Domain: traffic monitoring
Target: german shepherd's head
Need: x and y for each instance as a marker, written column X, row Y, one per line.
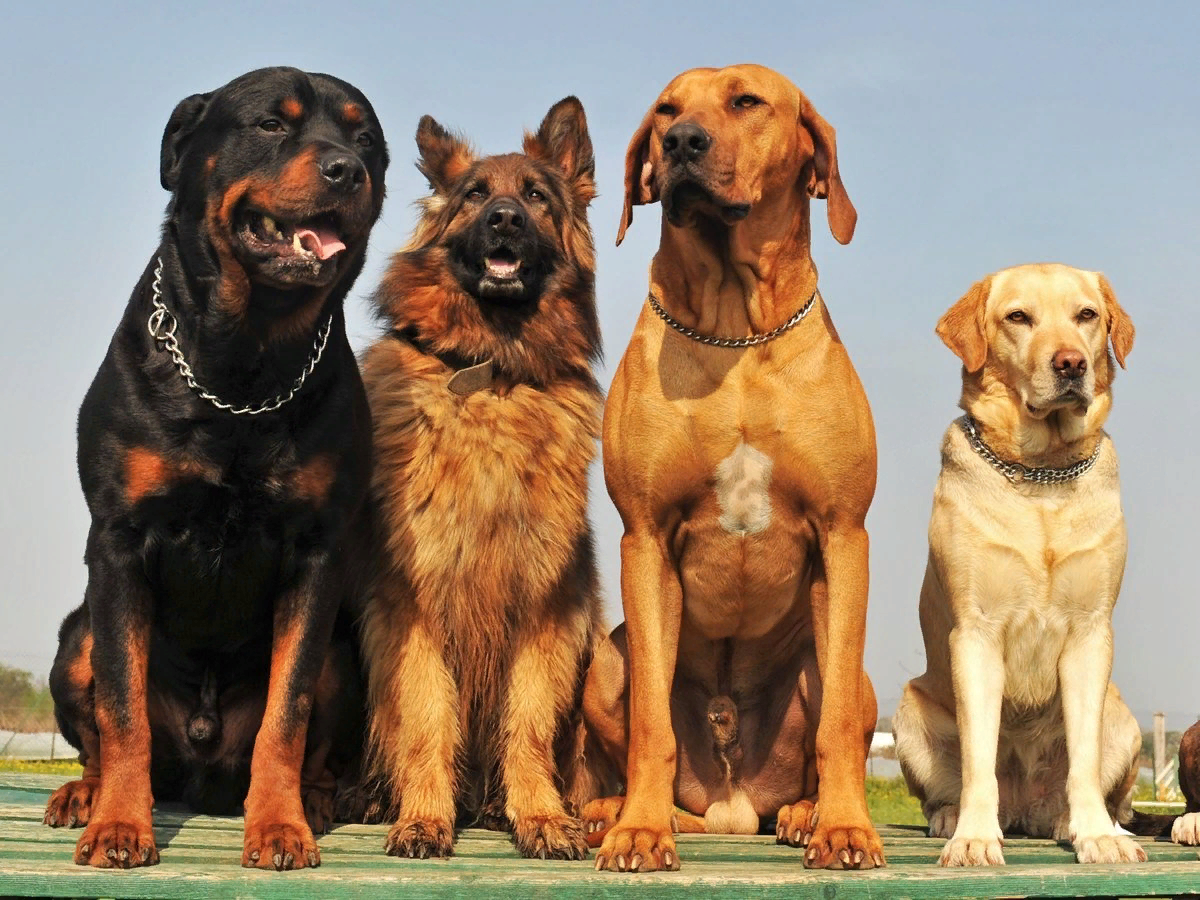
column 501, row 265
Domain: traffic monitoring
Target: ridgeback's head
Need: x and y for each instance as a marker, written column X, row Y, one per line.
column 718, row 142
column 1042, row 332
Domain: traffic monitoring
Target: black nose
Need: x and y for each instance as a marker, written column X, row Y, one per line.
column 686, row 142
column 506, row 217
column 343, row 171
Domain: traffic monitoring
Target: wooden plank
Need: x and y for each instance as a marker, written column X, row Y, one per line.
column 201, row 858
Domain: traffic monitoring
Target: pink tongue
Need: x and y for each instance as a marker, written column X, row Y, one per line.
column 322, row 241
column 502, row 267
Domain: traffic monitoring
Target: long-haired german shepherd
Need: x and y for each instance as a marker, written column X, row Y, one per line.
column 486, row 606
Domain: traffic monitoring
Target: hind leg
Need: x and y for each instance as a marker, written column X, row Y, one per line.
column 336, row 731
column 928, row 749
column 71, row 686
column 796, row 822
column 605, row 699
column 1186, row 829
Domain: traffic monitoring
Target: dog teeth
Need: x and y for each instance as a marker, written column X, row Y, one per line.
column 296, row 245
column 269, row 225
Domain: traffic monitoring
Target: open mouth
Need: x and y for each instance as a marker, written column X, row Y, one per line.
column 303, row 250
column 502, row 264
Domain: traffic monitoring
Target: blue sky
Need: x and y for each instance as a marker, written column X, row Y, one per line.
column 971, row 137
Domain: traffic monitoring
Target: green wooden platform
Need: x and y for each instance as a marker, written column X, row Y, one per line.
column 201, row 856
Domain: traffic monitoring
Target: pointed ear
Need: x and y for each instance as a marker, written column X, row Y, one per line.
column 1120, row 326
column 962, row 327
column 562, row 140
column 825, row 182
column 640, row 184
column 179, row 128
column 444, row 156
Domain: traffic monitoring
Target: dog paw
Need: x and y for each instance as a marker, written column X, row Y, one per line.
column 418, row 839
column 71, row 804
column 318, row 809
column 599, row 816
column 550, row 837
column 966, row 849
column 943, row 821
column 628, row 848
column 855, row 846
column 795, row 823
column 1186, row 829
column 1108, row 848
column 280, row 846
column 116, row 845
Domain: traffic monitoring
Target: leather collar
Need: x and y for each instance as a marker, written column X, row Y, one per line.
column 469, row 374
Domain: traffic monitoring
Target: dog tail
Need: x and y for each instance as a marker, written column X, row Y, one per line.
column 1150, row 824
column 204, row 727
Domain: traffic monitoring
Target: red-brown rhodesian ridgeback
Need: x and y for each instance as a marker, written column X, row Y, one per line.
column 742, row 471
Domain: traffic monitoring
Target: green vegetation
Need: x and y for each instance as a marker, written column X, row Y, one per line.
column 41, row 766
column 889, row 801
column 25, row 705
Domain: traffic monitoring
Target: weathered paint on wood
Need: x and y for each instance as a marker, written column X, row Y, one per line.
column 201, row 856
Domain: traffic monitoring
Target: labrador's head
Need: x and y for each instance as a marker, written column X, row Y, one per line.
column 1043, row 332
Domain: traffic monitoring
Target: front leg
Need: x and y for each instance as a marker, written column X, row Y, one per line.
column 977, row 667
column 1084, row 670
column 277, row 834
column 414, row 711
column 541, row 685
column 119, row 833
column 642, row 841
column 844, row 836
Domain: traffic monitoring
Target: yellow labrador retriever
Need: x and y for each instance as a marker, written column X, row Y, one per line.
column 1015, row 726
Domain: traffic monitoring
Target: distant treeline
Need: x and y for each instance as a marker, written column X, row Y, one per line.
column 25, row 704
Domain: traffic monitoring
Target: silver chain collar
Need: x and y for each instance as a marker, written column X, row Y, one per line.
column 751, row 341
column 1015, row 471
column 162, row 325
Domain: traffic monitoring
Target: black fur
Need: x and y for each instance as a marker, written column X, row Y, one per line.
column 249, row 529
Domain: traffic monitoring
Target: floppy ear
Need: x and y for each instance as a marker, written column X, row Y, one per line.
column 562, row 139
column 962, row 329
column 1120, row 326
column 179, row 128
column 444, row 156
column 825, row 182
column 640, row 186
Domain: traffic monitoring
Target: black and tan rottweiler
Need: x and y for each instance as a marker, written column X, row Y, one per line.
column 224, row 451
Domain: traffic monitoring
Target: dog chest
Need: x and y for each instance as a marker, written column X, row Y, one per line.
column 492, row 489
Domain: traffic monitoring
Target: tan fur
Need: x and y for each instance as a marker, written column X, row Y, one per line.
column 743, row 479
column 486, row 606
column 1015, row 726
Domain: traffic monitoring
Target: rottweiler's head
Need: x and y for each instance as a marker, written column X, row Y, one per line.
column 277, row 178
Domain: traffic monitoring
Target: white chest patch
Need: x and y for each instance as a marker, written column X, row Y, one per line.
column 742, row 481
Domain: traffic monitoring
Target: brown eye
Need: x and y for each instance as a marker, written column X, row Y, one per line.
column 271, row 125
column 535, row 194
column 366, row 139
column 476, row 194
column 1018, row 316
column 747, row 101
column 1087, row 314
column 666, row 109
